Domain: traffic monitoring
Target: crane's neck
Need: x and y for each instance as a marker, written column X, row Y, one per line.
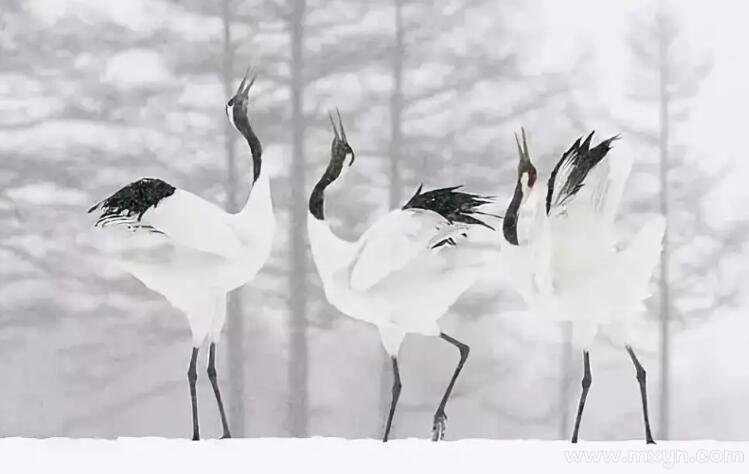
column 242, row 124
column 317, row 198
column 259, row 203
column 328, row 250
column 510, row 221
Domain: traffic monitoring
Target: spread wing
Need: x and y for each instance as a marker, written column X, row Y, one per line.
column 152, row 205
column 579, row 168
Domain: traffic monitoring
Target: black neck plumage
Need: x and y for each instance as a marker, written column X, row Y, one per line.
column 510, row 222
column 243, row 125
column 317, row 198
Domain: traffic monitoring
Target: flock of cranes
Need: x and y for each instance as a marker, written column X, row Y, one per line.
column 407, row 269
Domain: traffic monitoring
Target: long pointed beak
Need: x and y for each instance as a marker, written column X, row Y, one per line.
column 332, row 122
column 252, row 81
column 244, row 87
column 522, row 148
column 340, row 124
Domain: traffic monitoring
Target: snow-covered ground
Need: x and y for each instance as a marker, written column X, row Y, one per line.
column 332, row 455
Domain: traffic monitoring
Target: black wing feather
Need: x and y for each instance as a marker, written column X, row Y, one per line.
column 133, row 201
column 453, row 205
column 582, row 159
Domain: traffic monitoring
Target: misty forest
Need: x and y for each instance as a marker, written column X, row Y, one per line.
column 94, row 95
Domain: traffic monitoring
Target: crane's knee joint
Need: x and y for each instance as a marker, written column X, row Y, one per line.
column 641, row 375
column 587, row 380
column 192, row 374
column 211, row 372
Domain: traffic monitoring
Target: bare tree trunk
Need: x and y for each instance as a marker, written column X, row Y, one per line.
column 396, row 107
column 396, row 186
column 564, row 381
column 235, row 316
column 298, row 350
column 665, row 297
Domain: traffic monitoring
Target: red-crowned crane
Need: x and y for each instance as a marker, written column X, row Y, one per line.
column 202, row 252
column 405, row 271
column 566, row 261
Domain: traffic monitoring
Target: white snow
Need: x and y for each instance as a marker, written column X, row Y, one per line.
column 332, row 455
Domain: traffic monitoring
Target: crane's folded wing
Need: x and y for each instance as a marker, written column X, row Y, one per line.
column 391, row 243
column 191, row 221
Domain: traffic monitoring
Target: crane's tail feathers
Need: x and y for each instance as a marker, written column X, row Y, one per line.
column 453, row 205
column 129, row 204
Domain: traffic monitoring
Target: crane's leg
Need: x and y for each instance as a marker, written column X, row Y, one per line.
column 192, row 378
column 216, row 391
column 643, row 394
column 586, row 385
column 394, row 400
column 440, row 419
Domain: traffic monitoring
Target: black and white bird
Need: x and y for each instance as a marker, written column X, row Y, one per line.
column 194, row 251
column 406, row 270
column 564, row 255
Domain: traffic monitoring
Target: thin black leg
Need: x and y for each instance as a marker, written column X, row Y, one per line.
column 587, row 379
column 192, row 377
column 440, row 419
column 643, row 394
column 394, row 401
column 216, row 391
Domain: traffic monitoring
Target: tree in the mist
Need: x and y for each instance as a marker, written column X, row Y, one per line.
column 49, row 187
column 89, row 89
column 665, row 80
column 296, row 69
column 298, row 347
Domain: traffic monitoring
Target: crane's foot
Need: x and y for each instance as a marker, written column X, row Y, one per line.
column 226, row 435
column 439, row 426
column 196, row 437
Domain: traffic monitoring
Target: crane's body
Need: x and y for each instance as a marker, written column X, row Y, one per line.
column 405, row 271
column 565, row 258
column 571, row 267
column 392, row 276
column 195, row 252
column 190, row 250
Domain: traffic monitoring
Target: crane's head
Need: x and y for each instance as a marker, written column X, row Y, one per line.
column 526, row 171
column 526, row 181
column 236, row 108
column 340, row 150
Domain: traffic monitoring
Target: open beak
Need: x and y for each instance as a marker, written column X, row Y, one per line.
column 335, row 129
column 244, row 87
column 343, row 136
column 523, row 149
column 340, row 133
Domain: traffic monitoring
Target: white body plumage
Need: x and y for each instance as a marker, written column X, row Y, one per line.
column 190, row 250
column 405, row 271
column 392, row 277
column 200, row 253
column 569, row 265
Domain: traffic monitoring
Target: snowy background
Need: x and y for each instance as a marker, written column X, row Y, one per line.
column 95, row 94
